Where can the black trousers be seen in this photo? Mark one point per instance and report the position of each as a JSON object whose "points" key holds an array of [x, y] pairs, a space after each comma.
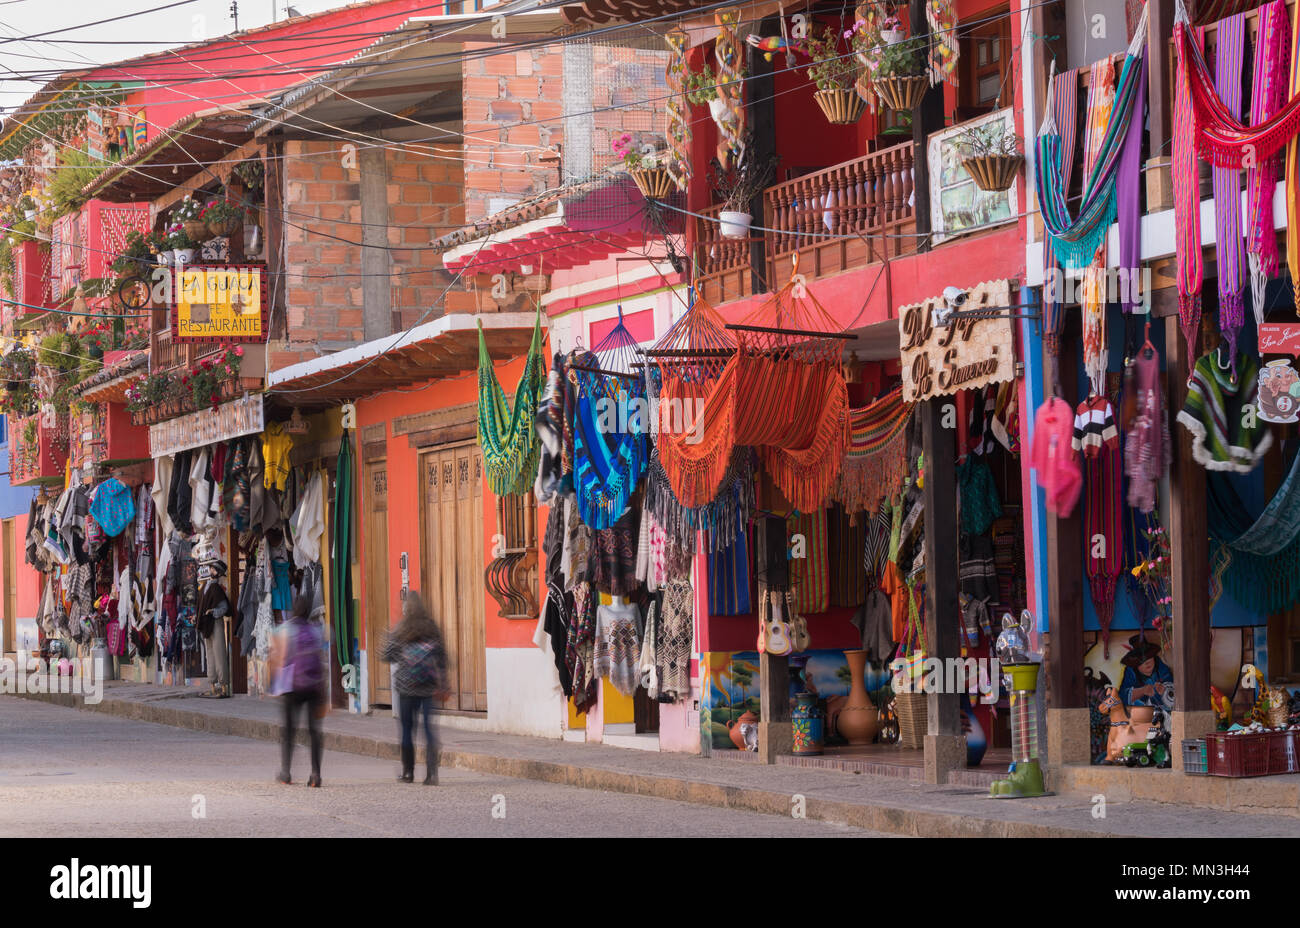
{"points": [[408, 708], [292, 702]]}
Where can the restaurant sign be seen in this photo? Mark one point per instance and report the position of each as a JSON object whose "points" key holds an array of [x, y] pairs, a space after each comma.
{"points": [[221, 304], [243, 416], [969, 351]]}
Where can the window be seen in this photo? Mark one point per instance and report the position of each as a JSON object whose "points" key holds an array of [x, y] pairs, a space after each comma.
{"points": [[983, 65]]}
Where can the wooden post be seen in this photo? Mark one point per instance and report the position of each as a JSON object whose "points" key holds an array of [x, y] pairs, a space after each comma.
{"points": [[1189, 553], [926, 118], [945, 745], [775, 736]]}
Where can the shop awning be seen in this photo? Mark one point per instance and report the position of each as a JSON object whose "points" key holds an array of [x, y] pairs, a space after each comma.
{"points": [[445, 347], [109, 385], [184, 149], [559, 230]]}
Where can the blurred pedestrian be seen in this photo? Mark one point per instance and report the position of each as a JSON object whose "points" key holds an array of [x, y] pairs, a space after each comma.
{"points": [[298, 677], [416, 650]]}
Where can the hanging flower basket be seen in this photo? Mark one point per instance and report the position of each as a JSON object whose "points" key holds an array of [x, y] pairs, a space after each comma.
{"points": [[993, 172], [224, 226], [196, 229], [901, 92], [842, 105], [652, 182]]}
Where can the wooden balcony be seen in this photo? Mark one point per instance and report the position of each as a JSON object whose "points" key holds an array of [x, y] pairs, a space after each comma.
{"points": [[847, 216], [166, 353], [37, 453]]}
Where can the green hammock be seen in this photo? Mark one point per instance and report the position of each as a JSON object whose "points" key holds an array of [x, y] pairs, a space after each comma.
{"points": [[1264, 573], [508, 435]]}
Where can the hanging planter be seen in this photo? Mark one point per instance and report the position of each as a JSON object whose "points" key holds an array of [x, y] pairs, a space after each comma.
{"points": [[901, 93], [842, 105], [733, 224], [654, 183], [891, 36], [994, 173], [224, 226], [196, 229]]}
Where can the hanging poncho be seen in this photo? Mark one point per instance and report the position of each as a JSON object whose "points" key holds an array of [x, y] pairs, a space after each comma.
{"points": [[1096, 435], [609, 457], [1227, 185], [1053, 458], [1225, 436], [508, 434]]}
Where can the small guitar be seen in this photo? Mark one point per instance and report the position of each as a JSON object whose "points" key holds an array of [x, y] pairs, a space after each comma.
{"points": [[798, 627], [777, 632]]}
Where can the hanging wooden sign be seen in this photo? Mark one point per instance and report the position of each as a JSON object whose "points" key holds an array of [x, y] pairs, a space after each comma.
{"points": [[968, 352], [221, 304], [243, 416]]}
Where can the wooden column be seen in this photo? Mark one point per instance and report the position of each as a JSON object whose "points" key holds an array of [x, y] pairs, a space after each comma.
{"points": [[926, 118], [775, 736], [945, 745]]}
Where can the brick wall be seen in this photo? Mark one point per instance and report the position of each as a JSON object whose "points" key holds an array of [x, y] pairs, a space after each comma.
{"points": [[425, 185]]}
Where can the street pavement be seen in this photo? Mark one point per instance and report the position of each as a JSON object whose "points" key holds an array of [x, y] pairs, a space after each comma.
{"points": [[69, 773]]}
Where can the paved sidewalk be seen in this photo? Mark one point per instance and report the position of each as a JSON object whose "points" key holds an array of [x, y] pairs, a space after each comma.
{"points": [[884, 804]]}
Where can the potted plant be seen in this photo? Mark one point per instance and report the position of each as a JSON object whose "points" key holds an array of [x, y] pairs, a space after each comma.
{"points": [[899, 76], [189, 214], [652, 179], [223, 217], [737, 188], [28, 207], [206, 383], [250, 172], [149, 395], [991, 155], [835, 73], [135, 258], [702, 90], [182, 244]]}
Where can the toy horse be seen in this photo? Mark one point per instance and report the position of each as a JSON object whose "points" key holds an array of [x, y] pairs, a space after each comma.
{"points": [[1123, 729]]}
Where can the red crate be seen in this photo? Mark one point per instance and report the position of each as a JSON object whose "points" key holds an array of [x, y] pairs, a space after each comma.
{"points": [[1237, 755], [1282, 752]]}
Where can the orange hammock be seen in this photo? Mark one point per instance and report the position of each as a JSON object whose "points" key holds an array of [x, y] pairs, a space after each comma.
{"points": [[781, 392]]}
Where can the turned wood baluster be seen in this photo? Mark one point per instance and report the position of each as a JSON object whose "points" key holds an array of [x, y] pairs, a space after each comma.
{"points": [[908, 185], [857, 216], [866, 179], [789, 219]]}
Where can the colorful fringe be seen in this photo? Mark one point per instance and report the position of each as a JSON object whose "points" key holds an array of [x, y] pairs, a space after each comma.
{"points": [[875, 462], [1229, 60], [1269, 95]]}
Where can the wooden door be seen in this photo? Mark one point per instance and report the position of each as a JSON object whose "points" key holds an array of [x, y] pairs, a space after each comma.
{"points": [[10, 586], [377, 570], [452, 565]]}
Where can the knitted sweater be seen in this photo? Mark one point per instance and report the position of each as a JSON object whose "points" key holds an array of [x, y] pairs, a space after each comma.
{"points": [[1054, 458], [1224, 436]]}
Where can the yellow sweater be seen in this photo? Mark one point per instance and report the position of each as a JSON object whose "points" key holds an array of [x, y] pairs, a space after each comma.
{"points": [[275, 452]]}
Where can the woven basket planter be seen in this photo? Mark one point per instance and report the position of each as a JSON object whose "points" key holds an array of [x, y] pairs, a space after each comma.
{"points": [[912, 711], [901, 93], [224, 226], [196, 229], [842, 105], [994, 173], [652, 182]]}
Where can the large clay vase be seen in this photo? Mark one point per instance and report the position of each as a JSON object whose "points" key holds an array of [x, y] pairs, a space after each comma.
{"points": [[735, 729], [858, 720]]}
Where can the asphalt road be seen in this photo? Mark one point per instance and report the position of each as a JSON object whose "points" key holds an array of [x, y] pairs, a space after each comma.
{"points": [[67, 773]]}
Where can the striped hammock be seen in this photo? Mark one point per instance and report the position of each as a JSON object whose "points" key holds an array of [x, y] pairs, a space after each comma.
{"points": [[875, 462], [507, 434], [1075, 240], [609, 456]]}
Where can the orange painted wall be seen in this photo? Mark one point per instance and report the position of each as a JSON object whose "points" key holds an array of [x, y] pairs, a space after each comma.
{"points": [[404, 493]]}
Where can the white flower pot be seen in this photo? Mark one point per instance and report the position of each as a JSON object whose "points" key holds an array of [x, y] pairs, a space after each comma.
{"points": [[892, 36], [718, 109], [733, 224], [30, 214], [183, 255], [164, 258]]}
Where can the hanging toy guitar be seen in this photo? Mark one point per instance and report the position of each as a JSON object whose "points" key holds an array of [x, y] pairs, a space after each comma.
{"points": [[774, 633], [798, 626]]}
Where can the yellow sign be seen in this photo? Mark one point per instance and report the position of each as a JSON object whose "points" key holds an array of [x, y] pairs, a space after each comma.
{"points": [[222, 303]]}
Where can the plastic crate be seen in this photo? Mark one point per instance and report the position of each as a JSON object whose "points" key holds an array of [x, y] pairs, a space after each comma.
{"points": [[1282, 752], [1194, 762], [1230, 755]]}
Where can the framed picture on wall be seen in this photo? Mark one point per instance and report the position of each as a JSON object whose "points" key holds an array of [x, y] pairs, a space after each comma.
{"points": [[956, 204]]}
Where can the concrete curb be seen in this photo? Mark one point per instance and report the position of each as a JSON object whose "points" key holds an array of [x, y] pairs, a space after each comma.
{"points": [[906, 822]]}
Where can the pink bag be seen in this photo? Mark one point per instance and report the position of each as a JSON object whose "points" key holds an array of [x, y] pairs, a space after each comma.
{"points": [[116, 639]]}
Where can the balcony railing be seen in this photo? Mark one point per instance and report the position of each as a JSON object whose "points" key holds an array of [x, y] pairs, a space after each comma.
{"points": [[168, 354], [850, 215]]}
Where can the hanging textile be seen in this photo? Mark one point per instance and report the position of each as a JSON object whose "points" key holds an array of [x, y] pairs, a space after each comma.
{"points": [[1103, 518], [341, 601], [1292, 175], [506, 433], [1063, 89], [875, 461], [674, 645], [1268, 95], [611, 428], [1075, 239], [1147, 440], [1229, 55], [1053, 457], [1264, 571], [941, 17], [1224, 437], [729, 574], [980, 504], [1187, 202], [1101, 100], [718, 519], [810, 574], [1129, 198], [845, 542]]}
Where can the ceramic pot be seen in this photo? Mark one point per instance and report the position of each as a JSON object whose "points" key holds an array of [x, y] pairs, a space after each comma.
{"points": [[858, 721], [733, 224], [717, 109], [735, 729], [808, 725], [891, 36], [183, 255]]}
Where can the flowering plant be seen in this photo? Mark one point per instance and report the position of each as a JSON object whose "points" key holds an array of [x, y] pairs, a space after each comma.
{"points": [[831, 67], [221, 210], [187, 209], [631, 156], [1153, 574], [178, 238], [204, 381], [152, 390]]}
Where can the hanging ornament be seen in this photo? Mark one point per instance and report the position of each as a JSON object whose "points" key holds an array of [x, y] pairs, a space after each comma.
{"points": [[728, 50], [677, 131], [941, 15]]}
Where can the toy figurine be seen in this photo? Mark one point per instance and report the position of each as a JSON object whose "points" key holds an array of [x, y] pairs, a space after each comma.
{"points": [[1124, 730], [1013, 641], [1154, 751]]}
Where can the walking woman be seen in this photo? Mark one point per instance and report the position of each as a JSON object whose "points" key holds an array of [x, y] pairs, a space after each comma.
{"points": [[416, 650], [298, 677]]}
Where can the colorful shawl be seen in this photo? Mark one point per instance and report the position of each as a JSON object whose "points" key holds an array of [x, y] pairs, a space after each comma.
{"points": [[875, 462], [1187, 201], [1129, 197], [1101, 100], [1227, 184], [729, 573], [1075, 239], [1103, 523], [1053, 457], [810, 574], [508, 434], [1268, 96], [1292, 176], [607, 463], [1064, 88], [1224, 437], [846, 539]]}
